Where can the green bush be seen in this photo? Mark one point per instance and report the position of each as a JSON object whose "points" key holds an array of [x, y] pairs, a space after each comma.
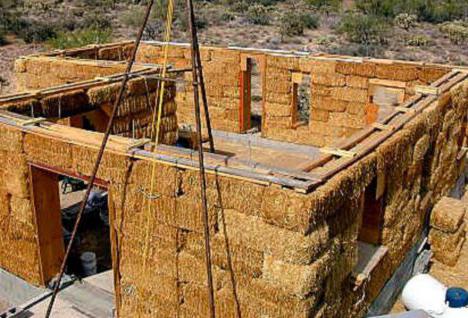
{"points": [[293, 23], [406, 21], [325, 4], [78, 38], [133, 17], [456, 31], [425, 10], [311, 21], [258, 14], [36, 32], [364, 29], [3, 40], [418, 40]]}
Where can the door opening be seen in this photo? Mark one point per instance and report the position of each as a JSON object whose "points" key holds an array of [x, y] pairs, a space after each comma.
{"points": [[57, 200]]}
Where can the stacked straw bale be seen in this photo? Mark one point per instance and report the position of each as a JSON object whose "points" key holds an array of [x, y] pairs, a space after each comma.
{"points": [[448, 231]]}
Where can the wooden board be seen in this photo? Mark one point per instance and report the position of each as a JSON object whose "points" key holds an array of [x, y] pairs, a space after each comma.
{"points": [[48, 219]]}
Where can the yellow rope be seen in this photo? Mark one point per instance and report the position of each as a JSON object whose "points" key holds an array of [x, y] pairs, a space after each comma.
{"points": [[156, 124]]}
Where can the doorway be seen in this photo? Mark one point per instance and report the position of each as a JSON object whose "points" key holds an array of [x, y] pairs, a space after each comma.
{"points": [[57, 198]]}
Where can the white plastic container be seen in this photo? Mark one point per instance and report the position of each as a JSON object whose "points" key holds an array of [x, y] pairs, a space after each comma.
{"points": [[423, 292], [89, 263]]}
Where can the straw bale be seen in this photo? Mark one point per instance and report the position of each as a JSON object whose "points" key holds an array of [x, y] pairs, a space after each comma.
{"points": [[324, 128], [329, 104], [278, 98], [282, 244], [420, 149], [449, 255], [48, 151], [321, 90], [106, 94], [284, 208], [24, 107], [350, 94], [397, 71], [317, 66], [65, 104], [320, 115], [429, 74], [11, 139], [274, 76], [279, 85], [357, 81], [448, 215], [347, 120], [328, 79], [281, 62], [245, 261], [356, 108], [113, 166], [446, 242], [225, 55], [365, 69], [298, 280], [21, 209], [14, 177], [192, 270]]}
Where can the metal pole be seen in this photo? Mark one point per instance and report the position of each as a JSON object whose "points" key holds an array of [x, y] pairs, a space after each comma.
{"points": [[200, 78], [99, 157], [201, 161]]}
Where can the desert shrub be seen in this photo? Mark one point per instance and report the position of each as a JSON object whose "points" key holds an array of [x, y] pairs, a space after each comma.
{"points": [[425, 10], [406, 21], [227, 16], [456, 31], [293, 23], [35, 31], [133, 17], [265, 3], [78, 38], [310, 21], [325, 4], [363, 29], [258, 14], [153, 30], [356, 49], [325, 39], [418, 40], [2, 37]]}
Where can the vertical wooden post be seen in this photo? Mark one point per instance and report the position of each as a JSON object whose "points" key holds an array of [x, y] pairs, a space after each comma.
{"points": [[246, 95], [48, 219]]}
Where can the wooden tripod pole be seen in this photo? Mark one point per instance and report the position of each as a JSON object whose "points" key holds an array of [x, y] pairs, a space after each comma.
{"points": [[206, 225], [99, 157]]}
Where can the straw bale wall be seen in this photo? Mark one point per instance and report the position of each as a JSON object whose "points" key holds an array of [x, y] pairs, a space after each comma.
{"points": [[346, 94], [276, 252], [222, 70], [291, 254], [134, 117], [36, 72], [342, 90]]}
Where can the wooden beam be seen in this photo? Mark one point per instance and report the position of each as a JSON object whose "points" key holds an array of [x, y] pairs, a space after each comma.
{"points": [[427, 90], [338, 152], [33, 121], [380, 126]]}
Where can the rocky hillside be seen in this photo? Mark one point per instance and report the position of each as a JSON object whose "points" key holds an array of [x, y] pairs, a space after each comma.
{"points": [[428, 30]]}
